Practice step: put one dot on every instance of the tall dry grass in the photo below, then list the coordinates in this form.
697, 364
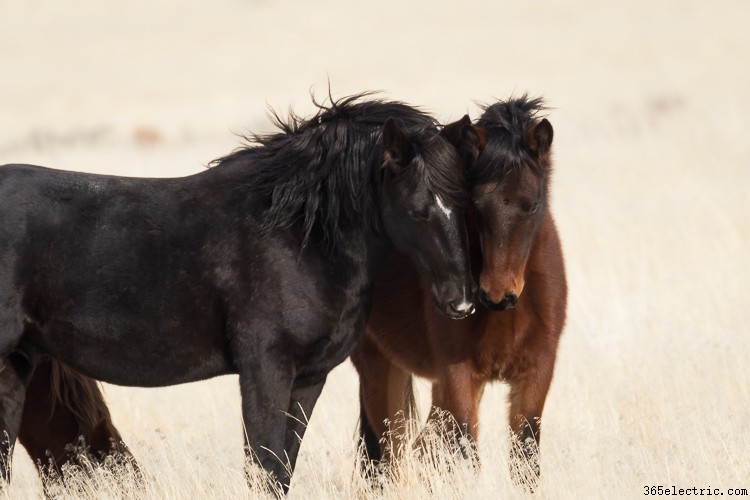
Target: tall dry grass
651, 194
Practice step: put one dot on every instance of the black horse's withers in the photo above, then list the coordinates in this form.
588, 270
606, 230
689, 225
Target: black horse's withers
262, 265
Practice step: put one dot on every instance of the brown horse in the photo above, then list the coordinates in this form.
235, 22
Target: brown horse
523, 289
65, 416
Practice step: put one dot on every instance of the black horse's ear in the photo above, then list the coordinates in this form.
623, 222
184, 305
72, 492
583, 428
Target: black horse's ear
466, 138
539, 137
396, 148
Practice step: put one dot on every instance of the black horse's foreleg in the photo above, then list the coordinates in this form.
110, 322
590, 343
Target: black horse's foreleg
305, 393
14, 373
265, 390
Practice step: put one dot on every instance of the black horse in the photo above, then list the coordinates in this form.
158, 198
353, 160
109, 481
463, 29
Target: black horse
262, 265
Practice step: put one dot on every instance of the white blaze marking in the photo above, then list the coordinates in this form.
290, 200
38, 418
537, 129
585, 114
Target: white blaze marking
465, 305
446, 210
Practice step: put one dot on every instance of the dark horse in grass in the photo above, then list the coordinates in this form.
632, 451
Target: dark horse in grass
262, 265
516, 253
65, 419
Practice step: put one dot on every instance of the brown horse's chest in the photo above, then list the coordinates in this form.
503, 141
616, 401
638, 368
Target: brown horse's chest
503, 349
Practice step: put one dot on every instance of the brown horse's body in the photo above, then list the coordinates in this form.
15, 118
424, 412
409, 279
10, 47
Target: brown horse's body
406, 335
64, 415
517, 259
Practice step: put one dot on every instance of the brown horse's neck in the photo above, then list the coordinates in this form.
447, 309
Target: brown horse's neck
475, 243
546, 247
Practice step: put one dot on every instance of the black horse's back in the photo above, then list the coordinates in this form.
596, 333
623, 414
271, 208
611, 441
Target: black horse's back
112, 258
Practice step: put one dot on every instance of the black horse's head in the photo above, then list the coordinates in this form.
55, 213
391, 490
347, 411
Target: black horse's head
509, 177
422, 200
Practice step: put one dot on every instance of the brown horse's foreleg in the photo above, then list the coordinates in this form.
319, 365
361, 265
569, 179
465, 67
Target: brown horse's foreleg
373, 399
458, 392
399, 414
383, 395
528, 392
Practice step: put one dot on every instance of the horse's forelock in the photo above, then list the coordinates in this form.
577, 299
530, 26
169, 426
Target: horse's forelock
507, 124
443, 171
515, 114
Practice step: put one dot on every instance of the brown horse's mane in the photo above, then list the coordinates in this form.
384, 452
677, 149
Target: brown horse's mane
79, 395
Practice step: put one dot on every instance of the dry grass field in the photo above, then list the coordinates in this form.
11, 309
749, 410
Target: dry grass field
651, 193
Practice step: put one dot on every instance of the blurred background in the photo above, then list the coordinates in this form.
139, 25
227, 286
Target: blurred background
127, 74
650, 106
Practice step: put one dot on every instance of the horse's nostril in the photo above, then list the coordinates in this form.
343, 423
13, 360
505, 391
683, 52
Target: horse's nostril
511, 299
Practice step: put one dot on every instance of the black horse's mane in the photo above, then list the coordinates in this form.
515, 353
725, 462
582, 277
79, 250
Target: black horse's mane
323, 171
507, 123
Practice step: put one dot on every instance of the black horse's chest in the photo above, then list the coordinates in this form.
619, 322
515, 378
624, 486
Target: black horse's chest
323, 316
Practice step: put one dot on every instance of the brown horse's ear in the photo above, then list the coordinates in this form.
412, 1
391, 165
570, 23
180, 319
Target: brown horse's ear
539, 137
453, 132
466, 138
396, 150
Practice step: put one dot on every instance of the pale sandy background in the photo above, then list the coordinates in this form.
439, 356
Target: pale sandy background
652, 195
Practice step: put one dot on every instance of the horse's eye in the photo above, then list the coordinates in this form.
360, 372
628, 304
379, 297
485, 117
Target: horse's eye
533, 208
418, 216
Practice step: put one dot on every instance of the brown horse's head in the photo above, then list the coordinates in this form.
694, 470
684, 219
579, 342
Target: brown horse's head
509, 167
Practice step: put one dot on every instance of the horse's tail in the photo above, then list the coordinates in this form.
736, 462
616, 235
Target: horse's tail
79, 395
73, 396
